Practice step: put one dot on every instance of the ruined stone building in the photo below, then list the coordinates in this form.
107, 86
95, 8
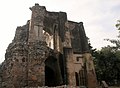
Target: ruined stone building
48, 51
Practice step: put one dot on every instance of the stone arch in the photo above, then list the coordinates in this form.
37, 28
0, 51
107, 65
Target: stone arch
52, 73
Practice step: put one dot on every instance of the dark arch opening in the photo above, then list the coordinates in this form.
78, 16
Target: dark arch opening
49, 77
52, 72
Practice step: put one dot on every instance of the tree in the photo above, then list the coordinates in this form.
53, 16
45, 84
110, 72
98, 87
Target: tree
107, 61
108, 65
116, 41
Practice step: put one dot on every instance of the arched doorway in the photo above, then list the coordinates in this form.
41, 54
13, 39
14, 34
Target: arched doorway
52, 73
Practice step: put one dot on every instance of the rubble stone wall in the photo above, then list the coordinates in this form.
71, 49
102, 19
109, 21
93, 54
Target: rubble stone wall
30, 62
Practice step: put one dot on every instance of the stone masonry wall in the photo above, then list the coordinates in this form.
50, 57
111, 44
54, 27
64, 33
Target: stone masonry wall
15, 64
29, 61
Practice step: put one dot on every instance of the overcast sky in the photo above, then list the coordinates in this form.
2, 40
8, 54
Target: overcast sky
99, 18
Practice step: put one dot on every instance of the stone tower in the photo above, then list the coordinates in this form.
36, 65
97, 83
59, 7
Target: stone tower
48, 51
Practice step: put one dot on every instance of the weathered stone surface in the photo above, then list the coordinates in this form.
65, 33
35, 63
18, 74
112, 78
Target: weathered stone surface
49, 51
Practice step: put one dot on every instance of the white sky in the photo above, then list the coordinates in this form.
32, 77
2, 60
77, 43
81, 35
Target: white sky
99, 18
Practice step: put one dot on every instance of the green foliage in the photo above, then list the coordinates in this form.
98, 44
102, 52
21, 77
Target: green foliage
118, 25
116, 42
107, 65
107, 61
